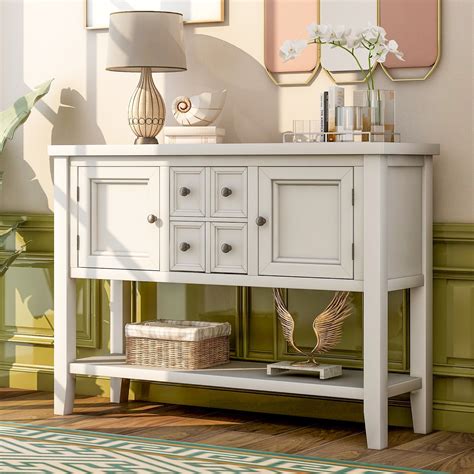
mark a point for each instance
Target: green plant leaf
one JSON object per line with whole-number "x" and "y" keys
{"x": 15, "y": 115}
{"x": 5, "y": 265}
{"x": 8, "y": 232}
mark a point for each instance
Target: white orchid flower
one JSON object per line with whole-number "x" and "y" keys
{"x": 386, "y": 48}
{"x": 353, "y": 41}
{"x": 291, "y": 49}
{"x": 339, "y": 35}
{"x": 325, "y": 33}
{"x": 313, "y": 31}
{"x": 374, "y": 34}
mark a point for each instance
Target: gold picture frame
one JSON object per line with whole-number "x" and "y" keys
{"x": 218, "y": 19}
{"x": 430, "y": 70}
{"x": 309, "y": 76}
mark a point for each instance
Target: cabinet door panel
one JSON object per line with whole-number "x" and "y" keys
{"x": 309, "y": 228}
{"x": 114, "y": 206}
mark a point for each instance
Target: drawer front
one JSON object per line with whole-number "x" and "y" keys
{"x": 229, "y": 192}
{"x": 187, "y": 246}
{"x": 228, "y": 247}
{"x": 187, "y": 192}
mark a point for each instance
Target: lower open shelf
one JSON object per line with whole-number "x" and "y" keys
{"x": 249, "y": 376}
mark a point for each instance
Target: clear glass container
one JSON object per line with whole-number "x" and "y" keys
{"x": 351, "y": 122}
{"x": 382, "y": 111}
{"x": 306, "y": 130}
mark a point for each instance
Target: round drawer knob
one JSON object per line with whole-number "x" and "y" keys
{"x": 226, "y": 192}
{"x": 260, "y": 221}
{"x": 184, "y": 191}
{"x": 151, "y": 218}
{"x": 184, "y": 246}
{"x": 226, "y": 248}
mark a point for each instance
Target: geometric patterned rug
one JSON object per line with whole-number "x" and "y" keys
{"x": 33, "y": 449}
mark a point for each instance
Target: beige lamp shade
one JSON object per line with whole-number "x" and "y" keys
{"x": 151, "y": 39}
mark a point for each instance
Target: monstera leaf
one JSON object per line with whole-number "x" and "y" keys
{"x": 15, "y": 115}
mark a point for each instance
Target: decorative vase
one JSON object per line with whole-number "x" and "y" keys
{"x": 382, "y": 112}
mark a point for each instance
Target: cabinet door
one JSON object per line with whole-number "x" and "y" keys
{"x": 309, "y": 221}
{"x": 119, "y": 225}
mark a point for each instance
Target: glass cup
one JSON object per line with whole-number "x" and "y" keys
{"x": 352, "y": 123}
{"x": 306, "y": 130}
{"x": 382, "y": 112}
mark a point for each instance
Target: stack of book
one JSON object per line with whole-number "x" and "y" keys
{"x": 330, "y": 99}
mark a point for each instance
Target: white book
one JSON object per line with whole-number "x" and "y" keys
{"x": 335, "y": 99}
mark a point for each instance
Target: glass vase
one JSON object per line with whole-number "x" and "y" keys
{"x": 382, "y": 112}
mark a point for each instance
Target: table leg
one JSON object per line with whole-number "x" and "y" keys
{"x": 64, "y": 295}
{"x": 375, "y": 302}
{"x": 421, "y": 325}
{"x": 119, "y": 305}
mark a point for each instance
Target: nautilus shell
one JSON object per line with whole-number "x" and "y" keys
{"x": 200, "y": 109}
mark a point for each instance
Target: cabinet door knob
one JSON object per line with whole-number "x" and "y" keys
{"x": 226, "y": 192}
{"x": 260, "y": 221}
{"x": 184, "y": 246}
{"x": 184, "y": 191}
{"x": 151, "y": 218}
{"x": 226, "y": 248}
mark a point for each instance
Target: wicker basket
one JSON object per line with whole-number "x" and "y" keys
{"x": 177, "y": 344}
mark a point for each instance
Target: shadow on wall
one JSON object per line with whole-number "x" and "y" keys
{"x": 18, "y": 173}
{"x": 251, "y": 110}
{"x": 72, "y": 124}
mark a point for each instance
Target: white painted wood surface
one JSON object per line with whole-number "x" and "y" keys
{"x": 309, "y": 228}
{"x": 114, "y": 207}
{"x": 119, "y": 315}
{"x": 206, "y": 224}
{"x": 64, "y": 294}
{"x": 246, "y": 152}
{"x": 421, "y": 315}
{"x": 245, "y": 376}
{"x": 230, "y": 234}
{"x": 229, "y": 179}
{"x": 375, "y": 302}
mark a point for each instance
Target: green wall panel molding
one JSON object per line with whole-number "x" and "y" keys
{"x": 27, "y": 322}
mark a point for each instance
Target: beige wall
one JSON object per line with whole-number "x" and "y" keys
{"x": 41, "y": 39}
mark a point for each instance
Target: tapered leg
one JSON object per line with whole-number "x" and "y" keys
{"x": 119, "y": 304}
{"x": 64, "y": 295}
{"x": 375, "y": 302}
{"x": 421, "y": 326}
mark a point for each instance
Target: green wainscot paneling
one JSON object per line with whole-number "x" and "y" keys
{"x": 27, "y": 322}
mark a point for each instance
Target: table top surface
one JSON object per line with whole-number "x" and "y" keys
{"x": 247, "y": 149}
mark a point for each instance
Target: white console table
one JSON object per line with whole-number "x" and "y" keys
{"x": 333, "y": 216}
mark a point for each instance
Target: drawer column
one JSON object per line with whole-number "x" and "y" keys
{"x": 375, "y": 302}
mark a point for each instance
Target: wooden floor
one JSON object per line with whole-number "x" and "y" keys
{"x": 443, "y": 451}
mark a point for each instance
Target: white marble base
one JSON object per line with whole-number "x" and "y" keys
{"x": 324, "y": 371}
{"x": 193, "y": 134}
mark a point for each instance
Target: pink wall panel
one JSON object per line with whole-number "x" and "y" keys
{"x": 414, "y": 25}
{"x": 288, "y": 19}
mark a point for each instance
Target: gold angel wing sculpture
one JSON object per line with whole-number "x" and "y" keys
{"x": 327, "y": 325}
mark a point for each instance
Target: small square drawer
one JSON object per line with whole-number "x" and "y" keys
{"x": 229, "y": 192}
{"x": 187, "y": 192}
{"x": 187, "y": 246}
{"x": 228, "y": 247}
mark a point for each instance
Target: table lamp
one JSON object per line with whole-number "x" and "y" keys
{"x": 146, "y": 42}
